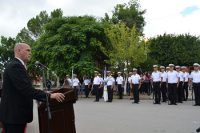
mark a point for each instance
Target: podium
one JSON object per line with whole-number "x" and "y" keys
{"x": 63, "y": 119}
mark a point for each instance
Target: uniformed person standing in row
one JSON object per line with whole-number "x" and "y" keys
{"x": 110, "y": 81}
{"x": 172, "y": 80}
{"x": 156, "y": 77}
{"x": 180, "y": 85}
{"x": 185, "y": 83}
{"x": 101, "y": 86}
{"x": 86, "y": 82}
{"x": 120, "y": 81}
{"x": 195, "y": 80}
{"x": 76, "y": 85}
{"x": 163, "y": 76}
{"x": 96, "y": 86}
{"x": 135, "y": 85}
{"x": 130, "y": 90}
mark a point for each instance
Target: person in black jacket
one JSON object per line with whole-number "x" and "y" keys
{"x": 16, "y": 107}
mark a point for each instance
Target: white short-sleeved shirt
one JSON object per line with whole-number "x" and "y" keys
{"x": 163, "y": 75}
{"x": 180, "y": 75}
{"x": 172, "y": 76}
{"x": 96, "y": 80}
{"x": 195, "y": 76}
{"x": 186, "y": 76}
{"x": 156, "y": 76}
{"x": 101, "y": 80}
{"x": 110, "y": 80}
{"x": 86, "y": 82}
{"x": 129, "y": 79}
{"x": 135, "y": 79}
{"x": 119, "y": 80}
{"x": 75, "y": 82}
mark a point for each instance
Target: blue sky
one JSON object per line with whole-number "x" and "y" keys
{"x": 189, "y": 10}
{"x": 162, "y": 16}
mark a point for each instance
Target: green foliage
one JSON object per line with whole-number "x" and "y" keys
{"x": 177, "y": 49}
{"x": 128, "y": 49}
{"x": 130, "y": 14}
{"x": 6, "y": 50}
{"x": 71, "y": 41}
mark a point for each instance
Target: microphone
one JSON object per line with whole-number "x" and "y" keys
{"x": 37, "y": 63}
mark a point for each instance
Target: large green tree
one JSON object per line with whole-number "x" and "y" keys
{"x": 177, "y": 49}
{"x": 128, "y": 48}
{"x": 131, "y": 14}
{"x": 72, "y": 41}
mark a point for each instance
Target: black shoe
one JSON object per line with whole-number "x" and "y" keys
{"x": 174, "y": 104}
{"x": 195, "y": 105}
{"x": 96, "y": 100}
{"x": 135, "y": 102}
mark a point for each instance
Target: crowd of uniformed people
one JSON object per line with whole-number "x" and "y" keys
{"x": 166, "y": 84}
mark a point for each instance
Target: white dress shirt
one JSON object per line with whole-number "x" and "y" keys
{"x": 86, "y": 82}
{"x": 156, "y": 76}
{"x": 195, "y": 76}
{"x": 110, "y": 80}
{"x": 163, "y": 75}
{"x": 119, "y": 80}
{"x": 75, "y": 82}
{"x": 172, "y": 77}
{"x": 185, "y": 76}
{"x": 96, "y": 80}
{"x": 180, "y": 75}
{"x": 135, "y": 79}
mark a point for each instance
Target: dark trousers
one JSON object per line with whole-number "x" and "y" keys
{"x": 180, "y": 92}
{"x": 96, "y": 90}
{"x": 164, "y": 91}
{"x": 76, "y": 91}
{"x": 196, "y": 87}
{"x": 157, "y": 92}
{"x": 136, "y": 93}
{"x": 120, "y": 91}
{"x": 86, "y": 91}
{"x": 185, "y": 91}
{"x": 110, "y": 93}
{"x": 14, "y": 128}
{"x": 101, "y": 92}
{"x": 172, "y": 87}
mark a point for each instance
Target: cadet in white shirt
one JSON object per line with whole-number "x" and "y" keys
{"x": 172, "y": 80}
{"x": 135, "y": 85}
{"x": 110, "y": 81}
{"x": 120, "y": 81}
{"x": 156, "y": 77}
{"x": 129, "y": 89}
{"x": 163, "y": 75}
{"x": 185, "y": 82}
{"x": 101, "y": 86}
{"x": 86, "y": 82}
{"x": 180, "y": 90}
{"x": 195, "y": 79}
{"x": 96, "y": 85}
{"x": 76, "y": 84}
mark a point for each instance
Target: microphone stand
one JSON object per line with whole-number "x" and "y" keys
{"x": 47, "y": 98}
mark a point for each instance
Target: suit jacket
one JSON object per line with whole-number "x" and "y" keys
{"x": 16, "y": 105}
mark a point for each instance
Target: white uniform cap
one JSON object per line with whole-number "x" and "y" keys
{"x": 183, "y": 67}
{"x": 119, "y": 72}
{"x": 134, "y": 69}
{"x": 167, "y": 67}
{"x": 195, "y": 64}
{"x": 155, "y": 65}
{"x": 177, "y": 66}
{"x": 171, "y": 65}
{"x": 162, "y": 67}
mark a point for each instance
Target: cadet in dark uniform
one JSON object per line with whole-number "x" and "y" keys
{"x": 135, "y": 85}
{"x": 172, "y": 80}
{"x": 156, "y": 77}
{"x": 96, "y": 85}
{"x": 163, "y": 75}
{"x": 110, "y": 81}
{"x": 195, "y": 79}
{"x": 180, "y": 86}
{"x": 120, "y": 81}
{"x": 185, "y": 83}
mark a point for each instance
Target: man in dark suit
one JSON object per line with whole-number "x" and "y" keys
{"x": 16, "y": 107}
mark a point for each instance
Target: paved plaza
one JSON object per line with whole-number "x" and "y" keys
{"x": 121, "y": 116}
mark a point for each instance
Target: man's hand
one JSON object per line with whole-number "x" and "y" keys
{"x": 58, "y": 96}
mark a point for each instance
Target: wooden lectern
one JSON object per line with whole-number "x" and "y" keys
{"x": 63, "y": 119}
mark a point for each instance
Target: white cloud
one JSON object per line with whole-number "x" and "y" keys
{"x": 161, "y": 16}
